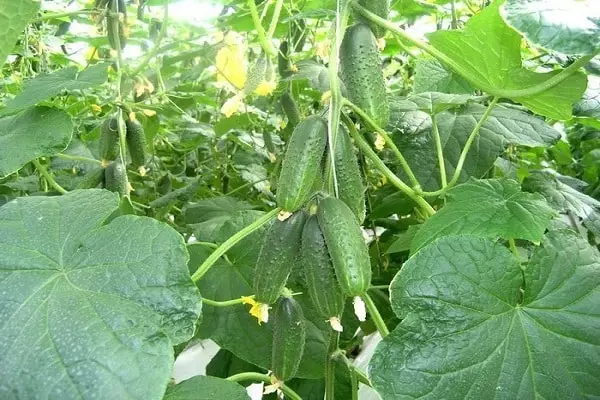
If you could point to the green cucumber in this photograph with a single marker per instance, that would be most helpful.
(302, 163)
(321, 284)
(136, 142)
(351, 189)
(347, 248)
(360, 68)
(381, 8)
(109, 139)
(115, 178)
(268, 139)
(283, 61)
(257, 74)
(289, 339)
(288, 104)
(277, 256)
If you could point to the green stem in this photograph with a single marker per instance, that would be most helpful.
(244, 186)
(391, 177)
(49, 16)
(458, 68)
(374, 312)
(332, 350)
(381, 287)
(362, 377)
(232, 241)
(156, 48)
(227, 303)
(78, 158)
(256, 376)
(42, 170)
(354, 385)
(275, 19)
(266, 45)
(454, 22)
(513, 247)
(388, 141)
(439, 150)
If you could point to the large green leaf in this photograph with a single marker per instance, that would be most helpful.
(489, 51)
(34, 133)
(434, 102)
(89, 311)
(44, 86)
(432, 76)
(206, 388)
(473, 328)
(565, 198)
(589, 105)
(233, 328)
(490, 208)
(14, 16)
(566, 26)
(207, 209)
(414, 135)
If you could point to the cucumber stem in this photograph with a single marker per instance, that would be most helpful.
(78, 158)
(330, 366)
(161, 34)
(49, 16)
(42, 170)
(266, 44)
(274, 20)
(232, 241)
(439, 150)
(255, 376)
(227, 303)
(377, 319)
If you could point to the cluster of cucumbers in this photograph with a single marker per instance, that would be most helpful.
(317, 232)
(112, 175)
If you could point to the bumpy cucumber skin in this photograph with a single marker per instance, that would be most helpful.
(347, 248)
(136, 142)
(362, 74)
(283, 62)
(381, 8)
(115, 178)
(257, 74)
(290, 109)
(109, 140)
(277, 256)
(321, 284)
(289, 339)
(351, 189)
(302, 163)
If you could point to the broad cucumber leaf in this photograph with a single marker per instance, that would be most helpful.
(489, 51)
(89, 311)
(206, 388)
(566, 26)
(434, 102)
(14, 16)
(36, 132)
(490, 208)
(432, 76)
(565, 198)
(44, 86)
(589, 105)
(473, 328)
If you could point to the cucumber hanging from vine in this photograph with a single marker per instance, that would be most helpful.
(109, 140)
(289, 339)
(136, 141)
(115, 178)
(381, 8)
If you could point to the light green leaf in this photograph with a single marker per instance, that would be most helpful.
(404, 240)
(589, 105)
(468, 332)
(566, 26)
(435, 102)
(565, 198)
(44, 86)
(207, 209)
(14, 16)
(414, 135)
(89, 310)
(34, 133)
(432, 76)
(206, 388)
(490, 208)
(489, 51)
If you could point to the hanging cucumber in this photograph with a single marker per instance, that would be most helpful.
(289, 339)
(268, 139)
(115, 178)
(283, 61)
(360, 68)
(322, 286)
(302, 163)
(112, 19)
(258, 74)
(381, 8)
(276, 258)
(136, 141)
(351, 189)
(288, 104)
(109, 140)
(347, 248)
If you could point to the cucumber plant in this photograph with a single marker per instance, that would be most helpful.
(335, 201)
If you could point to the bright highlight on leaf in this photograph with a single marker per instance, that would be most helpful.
(231, 62)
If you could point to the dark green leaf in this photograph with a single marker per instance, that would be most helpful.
(14, 15)
(206, 388)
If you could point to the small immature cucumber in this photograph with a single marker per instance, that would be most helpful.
(257, 74)
(136, 142)
(323, 288)
(290, 109)
(351, 189)
(381, 8)
(115, 178)
(109, 139)
(360, 68)
(289, 339)
(283, 61)
(302, 163)
(347, 248)
(277, 256)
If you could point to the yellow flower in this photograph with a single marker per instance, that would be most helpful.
(258, 310)
(265, 88)
(379, 142)
(231, 66)
(326, 97)
(233, 105)
(96, 108)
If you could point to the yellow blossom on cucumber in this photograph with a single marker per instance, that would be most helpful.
(379, 142)
(258, 310)
(231, 66)
(265, 88)
(326, 97)
(233, 105)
